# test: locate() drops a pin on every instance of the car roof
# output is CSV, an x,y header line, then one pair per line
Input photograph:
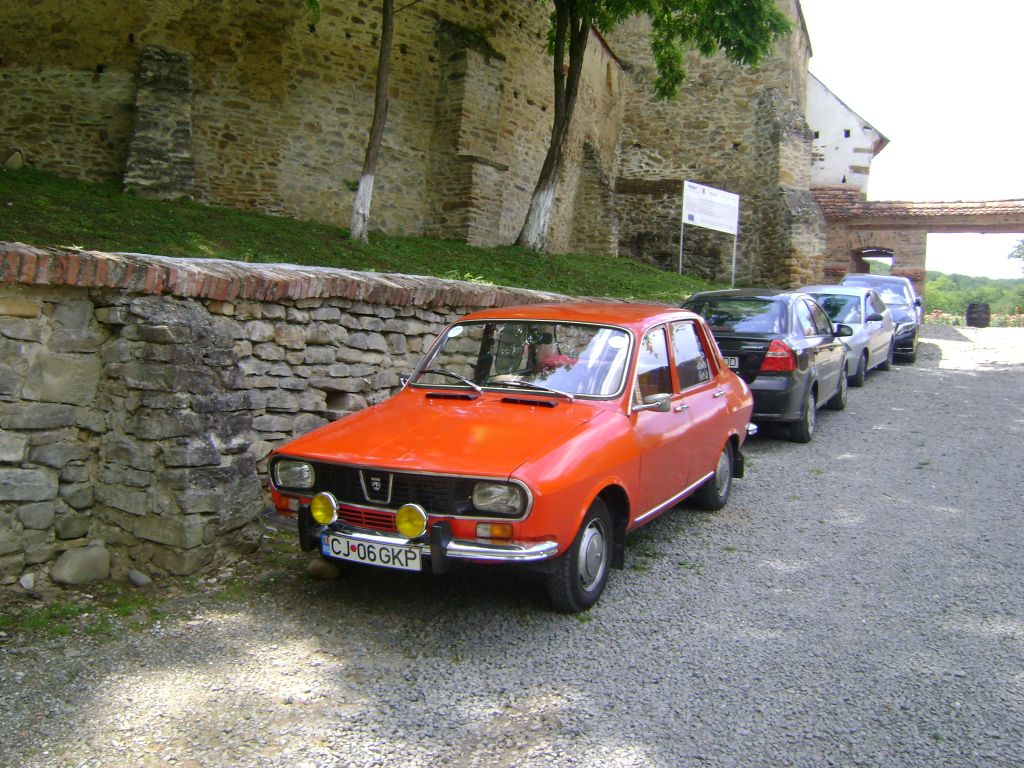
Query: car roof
x,y
878,279
747,293
842,290
602,312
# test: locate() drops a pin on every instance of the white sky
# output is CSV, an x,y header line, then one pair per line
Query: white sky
x,y
942,81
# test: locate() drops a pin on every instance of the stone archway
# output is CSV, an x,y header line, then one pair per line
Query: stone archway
x,y
855,225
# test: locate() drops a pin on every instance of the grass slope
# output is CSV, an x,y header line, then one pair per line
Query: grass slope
x,y
45,210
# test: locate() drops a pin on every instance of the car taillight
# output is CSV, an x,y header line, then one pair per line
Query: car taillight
x,y
779,358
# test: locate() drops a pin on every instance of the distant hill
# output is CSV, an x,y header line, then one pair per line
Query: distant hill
x,y
952,293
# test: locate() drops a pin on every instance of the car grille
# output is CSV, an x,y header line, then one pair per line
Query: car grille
x,y
438,495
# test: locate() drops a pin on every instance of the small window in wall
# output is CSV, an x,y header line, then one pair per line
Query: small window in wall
x,y
846,133
817,134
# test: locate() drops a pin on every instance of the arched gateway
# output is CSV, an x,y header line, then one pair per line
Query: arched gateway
x,y
856,227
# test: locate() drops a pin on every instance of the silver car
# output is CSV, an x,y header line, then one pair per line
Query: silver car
x,y
872,344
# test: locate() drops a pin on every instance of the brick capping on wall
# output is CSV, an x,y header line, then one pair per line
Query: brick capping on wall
x,y
228,281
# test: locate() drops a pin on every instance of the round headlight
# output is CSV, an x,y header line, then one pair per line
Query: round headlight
x,y
411,520
324,508
293,474
497,498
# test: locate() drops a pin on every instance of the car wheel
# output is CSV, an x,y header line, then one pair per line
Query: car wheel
x,y
581,573
715,491
803,430
887,363
857,380
838,401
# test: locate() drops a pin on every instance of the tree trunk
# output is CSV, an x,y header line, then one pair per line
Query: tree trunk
x,y
534,234
360,227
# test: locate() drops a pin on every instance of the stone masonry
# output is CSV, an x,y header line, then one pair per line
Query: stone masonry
x,y
252,105
140,395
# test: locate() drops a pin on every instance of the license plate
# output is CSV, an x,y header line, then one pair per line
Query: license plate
x,y
356,551
733,362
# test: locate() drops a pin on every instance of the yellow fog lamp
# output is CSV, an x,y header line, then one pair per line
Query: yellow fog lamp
x,y
411,520
324,508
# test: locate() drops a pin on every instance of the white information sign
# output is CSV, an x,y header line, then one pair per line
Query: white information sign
x,y
710,208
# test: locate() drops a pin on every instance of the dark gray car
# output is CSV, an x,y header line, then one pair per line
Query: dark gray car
x,y
785,347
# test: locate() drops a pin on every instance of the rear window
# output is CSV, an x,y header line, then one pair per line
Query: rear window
x,y
742,315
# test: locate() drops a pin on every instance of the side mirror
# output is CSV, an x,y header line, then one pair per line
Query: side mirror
x,y
660,402
874,317
842,329
918,302
403,378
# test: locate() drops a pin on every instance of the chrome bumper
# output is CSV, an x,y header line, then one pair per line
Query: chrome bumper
x,y
454,549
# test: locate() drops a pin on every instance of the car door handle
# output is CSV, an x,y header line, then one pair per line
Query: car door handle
x,y
719,393
681,407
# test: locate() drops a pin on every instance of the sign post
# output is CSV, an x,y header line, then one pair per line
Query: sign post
x,y
712,209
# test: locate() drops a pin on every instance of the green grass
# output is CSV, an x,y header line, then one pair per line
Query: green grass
x,y
46,210
112,608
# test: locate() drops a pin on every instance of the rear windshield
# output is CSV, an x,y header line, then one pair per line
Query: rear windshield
x,y
743,315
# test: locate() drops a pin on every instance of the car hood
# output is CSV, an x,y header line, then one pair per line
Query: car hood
x,y
489,436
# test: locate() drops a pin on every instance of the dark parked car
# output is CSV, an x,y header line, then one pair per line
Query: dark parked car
x,y
905,305
785,347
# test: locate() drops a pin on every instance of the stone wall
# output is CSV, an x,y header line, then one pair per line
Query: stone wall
x,y
140,396
273,113
731,127
280,109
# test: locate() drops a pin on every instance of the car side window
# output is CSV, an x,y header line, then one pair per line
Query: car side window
x,y
692,366
653,375
822,324
804,321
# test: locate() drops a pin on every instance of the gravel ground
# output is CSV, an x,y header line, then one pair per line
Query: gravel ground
x,y
859,602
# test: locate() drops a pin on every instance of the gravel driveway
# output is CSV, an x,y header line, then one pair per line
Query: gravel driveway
x,y
860,601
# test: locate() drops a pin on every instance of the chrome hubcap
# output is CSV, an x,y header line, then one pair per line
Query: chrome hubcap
x,y
592,555
722,473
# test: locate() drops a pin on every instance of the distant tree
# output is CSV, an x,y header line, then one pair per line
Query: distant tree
x,y
1018,252
745,30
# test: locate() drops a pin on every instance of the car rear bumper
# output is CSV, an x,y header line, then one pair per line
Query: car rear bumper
x,y
776,398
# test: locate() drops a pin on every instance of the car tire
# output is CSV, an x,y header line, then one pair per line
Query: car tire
x,y
857,380
581,573
838,401
715,492
803,430
886,364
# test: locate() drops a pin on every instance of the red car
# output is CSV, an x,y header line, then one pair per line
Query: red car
x,y
537,435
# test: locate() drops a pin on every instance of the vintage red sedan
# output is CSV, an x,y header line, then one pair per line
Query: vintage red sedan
x,y
537,435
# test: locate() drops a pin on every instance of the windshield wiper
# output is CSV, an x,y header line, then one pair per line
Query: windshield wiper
x,y
524,384
452,374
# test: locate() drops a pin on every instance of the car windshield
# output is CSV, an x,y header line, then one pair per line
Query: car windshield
x,y
840,308
742,315
573,358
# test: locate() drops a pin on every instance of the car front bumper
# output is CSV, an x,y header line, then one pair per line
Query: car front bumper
x,y
437,546
905,341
